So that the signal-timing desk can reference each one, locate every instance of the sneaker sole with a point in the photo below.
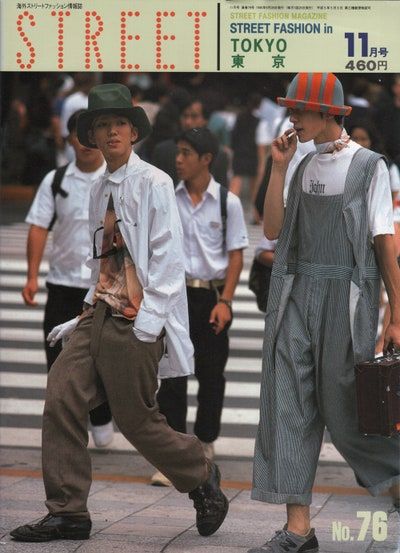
(39, 539)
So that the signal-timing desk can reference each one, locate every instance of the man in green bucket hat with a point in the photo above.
(135, 312)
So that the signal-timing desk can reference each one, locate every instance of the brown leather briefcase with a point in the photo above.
(378, 395)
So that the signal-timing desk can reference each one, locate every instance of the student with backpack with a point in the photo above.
(214, 236)
(61, 204)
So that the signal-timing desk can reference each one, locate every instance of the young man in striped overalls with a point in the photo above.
(335, 241)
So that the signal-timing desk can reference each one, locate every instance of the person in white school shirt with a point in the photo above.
(212, 267)
(68, 278)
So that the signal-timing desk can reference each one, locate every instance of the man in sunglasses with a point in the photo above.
(135, 306)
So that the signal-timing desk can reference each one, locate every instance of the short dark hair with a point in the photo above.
(205, 108)
(339, 119)
(202, 140)
(72, 122)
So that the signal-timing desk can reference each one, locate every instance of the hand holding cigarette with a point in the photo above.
(284, 147)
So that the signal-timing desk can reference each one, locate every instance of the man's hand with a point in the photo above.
(63, 331)
(29, 291)
(284, 147)
(392, 339)
(220, 316)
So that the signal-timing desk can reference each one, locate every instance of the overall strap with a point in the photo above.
(56, 189)
(355, 210)
(287, 243)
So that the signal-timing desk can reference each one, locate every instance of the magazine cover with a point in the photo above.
(199, 245)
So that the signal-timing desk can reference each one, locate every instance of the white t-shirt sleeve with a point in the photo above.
(265, 245)
(236, 232)
(42, 209)
(379, 201)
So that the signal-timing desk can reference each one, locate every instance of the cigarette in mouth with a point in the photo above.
(291, 134)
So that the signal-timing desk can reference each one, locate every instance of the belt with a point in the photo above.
(207, 284)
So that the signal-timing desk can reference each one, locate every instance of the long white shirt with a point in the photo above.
(202, 229)
(145, 203)
(71, 239)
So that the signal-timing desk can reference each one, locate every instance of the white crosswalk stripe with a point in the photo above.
(22, 359)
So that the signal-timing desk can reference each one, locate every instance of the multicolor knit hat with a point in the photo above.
(316, 92)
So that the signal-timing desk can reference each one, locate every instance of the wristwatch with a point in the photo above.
(226, 302)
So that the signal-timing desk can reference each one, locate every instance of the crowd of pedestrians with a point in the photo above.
(163, 234)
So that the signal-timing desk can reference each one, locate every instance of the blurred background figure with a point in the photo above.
(194, 115)
(364, 133)
(359, 98)
(77, 99)
(167, 121)
(387, 119)
(250, 145)
(29, 143)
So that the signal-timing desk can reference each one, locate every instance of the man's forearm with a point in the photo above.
(233, 271)
(274, 210)
(36, 243)
(386, 255)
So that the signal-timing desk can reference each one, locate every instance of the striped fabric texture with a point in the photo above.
(311, 345)
(316, 92)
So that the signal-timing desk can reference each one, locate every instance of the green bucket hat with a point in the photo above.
(109, 99)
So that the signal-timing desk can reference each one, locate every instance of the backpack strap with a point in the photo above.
(223, 193)
(56, 189)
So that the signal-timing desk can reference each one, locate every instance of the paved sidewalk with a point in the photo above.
(131, 516)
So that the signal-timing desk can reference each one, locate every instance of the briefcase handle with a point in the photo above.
(392, 354)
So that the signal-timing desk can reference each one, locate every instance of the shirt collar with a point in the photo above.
(212, 188)
(119, 175)
(72, 169)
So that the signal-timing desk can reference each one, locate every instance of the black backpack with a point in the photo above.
(56, 189)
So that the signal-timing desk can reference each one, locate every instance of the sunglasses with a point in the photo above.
(108, 253)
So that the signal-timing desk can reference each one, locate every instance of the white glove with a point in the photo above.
(143, 336)
(63, 331)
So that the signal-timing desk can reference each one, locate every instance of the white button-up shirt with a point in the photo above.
(202, 230)
(71, 240)
(144, 201)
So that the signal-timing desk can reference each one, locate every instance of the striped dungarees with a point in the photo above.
(311, 384)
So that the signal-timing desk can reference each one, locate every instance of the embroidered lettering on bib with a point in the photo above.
(316, 187)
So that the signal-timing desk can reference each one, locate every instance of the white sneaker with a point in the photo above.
(103, 434)
(158, 479)
(208, 450)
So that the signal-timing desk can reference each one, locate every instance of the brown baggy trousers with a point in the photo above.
(103, 360)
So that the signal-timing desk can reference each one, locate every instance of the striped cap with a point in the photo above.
(316, 92)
